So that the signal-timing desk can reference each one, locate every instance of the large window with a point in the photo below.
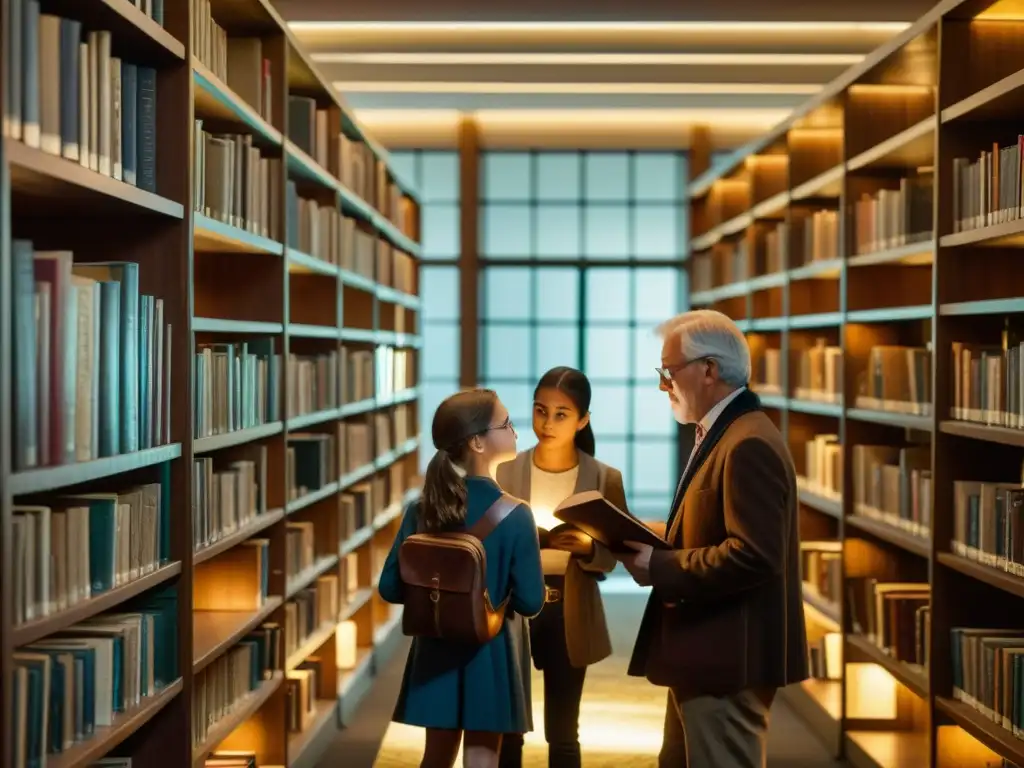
(580, 261)
(436, 176)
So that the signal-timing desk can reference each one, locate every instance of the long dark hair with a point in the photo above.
(576, 386)
(457, 419)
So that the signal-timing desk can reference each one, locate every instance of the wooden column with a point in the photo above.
(469, 258)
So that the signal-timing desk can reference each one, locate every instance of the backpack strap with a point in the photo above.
(497, 512)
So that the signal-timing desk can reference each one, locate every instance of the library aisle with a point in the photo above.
(621, 719)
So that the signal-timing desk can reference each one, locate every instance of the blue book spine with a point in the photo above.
(129, 122)
(110, 362)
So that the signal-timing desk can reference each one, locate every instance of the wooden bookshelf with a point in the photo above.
(873, 262)
(209, 319)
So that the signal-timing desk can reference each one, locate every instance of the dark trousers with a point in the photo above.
(563, 690)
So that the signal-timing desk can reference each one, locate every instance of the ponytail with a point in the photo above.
(444, 494)
(584, 440)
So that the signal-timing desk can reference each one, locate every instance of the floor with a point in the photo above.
(620, 723)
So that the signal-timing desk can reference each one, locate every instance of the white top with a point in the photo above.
(547, 491)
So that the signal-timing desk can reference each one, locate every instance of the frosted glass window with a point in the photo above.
(657, 176)
(506, 231)
(441, 231)
(656, 232)
(439, 293)
(607, 353)
(405, 166)
(558, 293)
(558, 176)
(558, 231)
(439, 177)
(506, 176)
(653, 467)
(506, 352)
(608, 294)
(615, 453)
(556, 345)
(606, 232)
(652, 414)
(609, 410)
(440, 352)
(655, 294)
(507, 293)
(646, 354)
(607, 176)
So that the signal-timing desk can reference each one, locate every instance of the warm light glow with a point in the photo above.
(419, 86)
(892, 27)
(618, 59)
(525, 117)
(544, 517)
(870, 692)
(892, 90)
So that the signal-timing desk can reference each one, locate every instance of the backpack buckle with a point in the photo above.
(435, 592)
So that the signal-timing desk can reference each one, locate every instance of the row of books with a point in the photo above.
(67, 95)
(309, 128)
(303, 685)
(395, 370)
(825, 656)
(348, 571)
(821, 563)
(350, 161)
(322, 231)
(987, 673)
(817, 233)
(79, 679)
(324, 381)
(93, 359)
(236, 386)
(987, 524)
(230, 678)
(397, 269)
(895, 616)
(823, 466)
(309, 611)
(234, 183)
(761, 252)
(80, 546)
(819, 374)
(312, 463)
(988, 385)
(228, 493)
(237, 61)
(891, 218)
(987, 190)
(896, 378)
(893, 484)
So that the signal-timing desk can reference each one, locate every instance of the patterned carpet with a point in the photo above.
(621, 718)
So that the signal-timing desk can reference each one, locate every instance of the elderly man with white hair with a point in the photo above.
(724, 625)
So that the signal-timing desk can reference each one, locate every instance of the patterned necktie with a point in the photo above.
(699, 436)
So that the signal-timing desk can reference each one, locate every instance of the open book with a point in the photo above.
(597, 517)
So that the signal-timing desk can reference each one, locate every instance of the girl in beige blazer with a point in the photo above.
(570, 633)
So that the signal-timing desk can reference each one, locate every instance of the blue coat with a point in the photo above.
(480, 688)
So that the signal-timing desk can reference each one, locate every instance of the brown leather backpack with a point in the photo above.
(445, 577)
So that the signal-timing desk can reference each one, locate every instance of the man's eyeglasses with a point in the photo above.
(668, 371)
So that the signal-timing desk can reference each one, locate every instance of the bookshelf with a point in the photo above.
(869, 248)
(209, 332)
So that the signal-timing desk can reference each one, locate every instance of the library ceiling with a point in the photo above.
(741, 65)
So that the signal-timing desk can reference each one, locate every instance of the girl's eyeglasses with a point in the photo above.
(506, 424)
